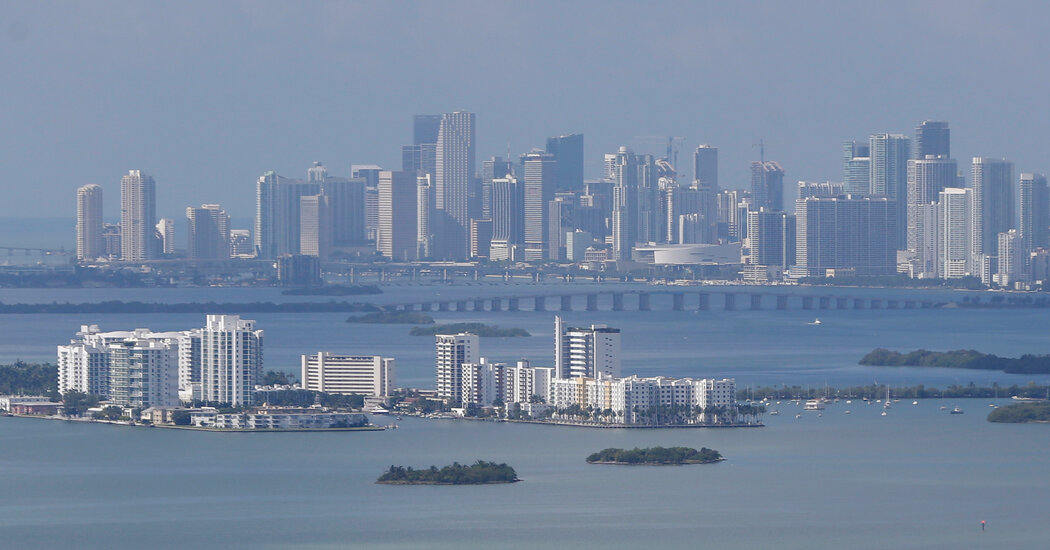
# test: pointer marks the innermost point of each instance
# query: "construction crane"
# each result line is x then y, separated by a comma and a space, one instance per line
672, 143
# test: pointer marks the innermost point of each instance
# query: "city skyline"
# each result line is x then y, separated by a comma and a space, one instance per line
243, 121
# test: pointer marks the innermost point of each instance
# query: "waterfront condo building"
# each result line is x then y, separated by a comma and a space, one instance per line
138, 216
231, 359
592, 352
451, 352
89, 222
369, 375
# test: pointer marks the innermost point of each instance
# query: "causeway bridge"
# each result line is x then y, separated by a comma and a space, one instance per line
642, 300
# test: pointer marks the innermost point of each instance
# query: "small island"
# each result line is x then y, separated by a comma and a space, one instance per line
332, 290
958, 359
393, 318
1021, 413
481, 329
479, 473
661, 456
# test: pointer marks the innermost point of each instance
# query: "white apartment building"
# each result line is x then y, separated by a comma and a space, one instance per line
273, 420
630, 396
483, 383
231, 359
137, 368
451, 352
524, 381
592, 352
369, 375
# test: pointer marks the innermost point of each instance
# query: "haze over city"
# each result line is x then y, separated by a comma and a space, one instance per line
208, 96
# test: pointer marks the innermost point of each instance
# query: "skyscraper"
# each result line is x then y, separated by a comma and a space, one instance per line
231, 360
455, 170
889, 176
451, 352
138, 216
315, 226
954, 233
398, 215
507, 220
424, 211
927, 177
624, 167
541, 172
567, 151
992, 203
767, 186
166, 235
208, 232
493, 168
277, 209
772, 237
1035, 211
932, 138
856, 167
846, 232
560, 216
89, 222
425, 129
592, 352
705, 166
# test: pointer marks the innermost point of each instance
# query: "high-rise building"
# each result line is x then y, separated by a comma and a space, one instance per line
567, 151
241, 243
316, 173
889, 176
493, 168
208, 232
846, 232
455, 171
398, 236
451, 352
856, 167
819, 189
138, 216
231, 360
625, 169
315, 226
1035, 211
424, 213
560, 219
954, 233
370, 375
683, 201
767, 186
927, 177
1011, 259
277, 210
166, 234
541, 172
932, 138
507, 220
992, 203
346, 205
705, 166
144, 371
651, 216
425, 129
592, 352
89, 222
772, 238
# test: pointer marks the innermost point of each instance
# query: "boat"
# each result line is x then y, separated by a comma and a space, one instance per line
956, 410
378, 409
943, 408
798, 416
847, 412
816, 322
914, 402
774, 412
886, 403
883, 413
814, 405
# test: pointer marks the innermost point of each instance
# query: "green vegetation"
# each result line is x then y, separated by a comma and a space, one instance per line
481, 329
656, 455
393, 318
333, 290
111, 412
276, 378
181, 418
878, 391
479, 473
1021, 413
29, 379
75, 403
959, 359
306, 398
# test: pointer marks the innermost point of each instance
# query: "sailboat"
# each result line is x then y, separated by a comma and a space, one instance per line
815, 322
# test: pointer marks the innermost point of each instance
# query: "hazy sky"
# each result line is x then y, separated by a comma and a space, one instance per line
206, 96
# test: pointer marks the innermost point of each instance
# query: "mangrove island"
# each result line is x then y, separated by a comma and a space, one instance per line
958, 359
1021, 413
479, 473
656, 456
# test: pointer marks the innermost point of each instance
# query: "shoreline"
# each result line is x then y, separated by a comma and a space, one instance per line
685, 463
369, 428
444, 483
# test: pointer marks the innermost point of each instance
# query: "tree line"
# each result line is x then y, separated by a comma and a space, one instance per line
455, 474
